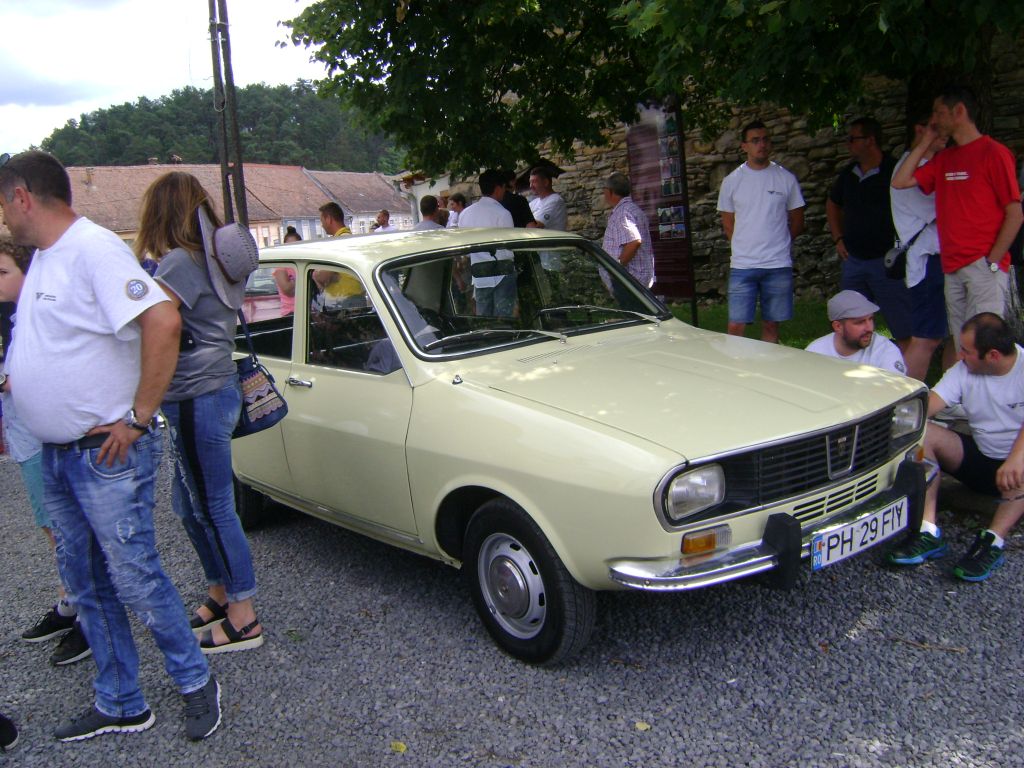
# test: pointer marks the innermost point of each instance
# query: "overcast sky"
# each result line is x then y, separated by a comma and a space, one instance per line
62, 58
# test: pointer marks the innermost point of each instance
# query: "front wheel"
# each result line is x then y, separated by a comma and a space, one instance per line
250, 505
525, 597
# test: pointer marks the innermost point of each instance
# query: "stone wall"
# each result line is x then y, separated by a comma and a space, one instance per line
815, 159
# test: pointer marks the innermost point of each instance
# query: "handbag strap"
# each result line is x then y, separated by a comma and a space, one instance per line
909, 242
248, 336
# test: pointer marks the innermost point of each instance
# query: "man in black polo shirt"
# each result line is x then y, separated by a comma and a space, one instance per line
516, 204
860, 219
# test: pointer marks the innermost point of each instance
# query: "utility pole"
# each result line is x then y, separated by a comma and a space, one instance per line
229, 144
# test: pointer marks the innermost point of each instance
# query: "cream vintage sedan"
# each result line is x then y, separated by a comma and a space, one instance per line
512, 403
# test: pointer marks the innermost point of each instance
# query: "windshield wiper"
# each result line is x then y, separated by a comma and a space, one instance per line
483, 333
595, 308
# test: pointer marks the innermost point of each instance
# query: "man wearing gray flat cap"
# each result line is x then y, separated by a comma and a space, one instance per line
853, 336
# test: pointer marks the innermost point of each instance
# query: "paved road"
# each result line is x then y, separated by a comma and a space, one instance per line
375, 658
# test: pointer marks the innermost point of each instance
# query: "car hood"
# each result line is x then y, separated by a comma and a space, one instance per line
694, 392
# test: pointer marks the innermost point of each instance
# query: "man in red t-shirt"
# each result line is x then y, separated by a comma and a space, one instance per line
977, 206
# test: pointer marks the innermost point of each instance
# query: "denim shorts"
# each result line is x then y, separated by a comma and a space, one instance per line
773, 286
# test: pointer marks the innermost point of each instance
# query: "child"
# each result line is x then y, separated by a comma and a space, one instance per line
27, 451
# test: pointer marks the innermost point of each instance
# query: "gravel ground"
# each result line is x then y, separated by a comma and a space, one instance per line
374, 657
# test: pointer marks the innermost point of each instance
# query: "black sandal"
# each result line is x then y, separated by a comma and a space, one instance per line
237, 641
217, 611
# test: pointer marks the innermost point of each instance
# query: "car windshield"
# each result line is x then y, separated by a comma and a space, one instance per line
476, 298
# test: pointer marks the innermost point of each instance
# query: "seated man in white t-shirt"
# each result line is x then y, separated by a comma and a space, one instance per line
853, 335
989, 383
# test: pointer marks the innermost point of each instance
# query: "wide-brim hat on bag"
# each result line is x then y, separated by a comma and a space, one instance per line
231, 256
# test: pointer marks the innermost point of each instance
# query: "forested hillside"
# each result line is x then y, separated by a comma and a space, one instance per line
288, 125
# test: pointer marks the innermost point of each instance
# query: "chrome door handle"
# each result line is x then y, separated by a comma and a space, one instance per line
299, 382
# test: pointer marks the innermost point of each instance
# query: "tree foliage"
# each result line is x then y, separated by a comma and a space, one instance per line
471, 84
812, 56
464, 85
287, 125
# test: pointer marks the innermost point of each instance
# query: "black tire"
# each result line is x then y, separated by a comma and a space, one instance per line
526, 599
250, 506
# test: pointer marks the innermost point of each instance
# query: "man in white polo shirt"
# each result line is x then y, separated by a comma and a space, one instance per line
494, 278
547, 205
97, 346
853, 336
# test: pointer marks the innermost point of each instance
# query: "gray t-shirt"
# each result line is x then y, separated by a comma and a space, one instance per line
205, 365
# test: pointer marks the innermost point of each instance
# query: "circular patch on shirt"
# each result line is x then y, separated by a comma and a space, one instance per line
136, 289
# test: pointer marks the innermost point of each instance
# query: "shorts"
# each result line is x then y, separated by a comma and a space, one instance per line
32, 476
977, 471
972, 289
928, 303
773, 286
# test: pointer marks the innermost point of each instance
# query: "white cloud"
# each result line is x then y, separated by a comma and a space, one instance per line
75, 57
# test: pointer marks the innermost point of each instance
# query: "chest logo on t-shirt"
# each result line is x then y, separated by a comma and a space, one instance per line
957, 176
40, 296
136, 289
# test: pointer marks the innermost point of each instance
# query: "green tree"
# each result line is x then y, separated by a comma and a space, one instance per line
464, 85
813, 56
473, 84
279, 124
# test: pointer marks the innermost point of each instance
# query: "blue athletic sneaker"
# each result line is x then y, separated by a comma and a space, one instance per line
981, 559
916, 548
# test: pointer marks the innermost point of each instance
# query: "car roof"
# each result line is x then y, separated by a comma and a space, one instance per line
367, 251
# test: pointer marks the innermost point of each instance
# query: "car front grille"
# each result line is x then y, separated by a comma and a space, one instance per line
769, 475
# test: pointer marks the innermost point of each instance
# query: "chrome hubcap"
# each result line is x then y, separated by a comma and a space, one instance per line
512, 586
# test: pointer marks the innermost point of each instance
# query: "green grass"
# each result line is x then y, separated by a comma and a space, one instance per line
809, 322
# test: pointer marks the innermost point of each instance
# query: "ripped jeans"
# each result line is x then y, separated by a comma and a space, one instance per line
106, 553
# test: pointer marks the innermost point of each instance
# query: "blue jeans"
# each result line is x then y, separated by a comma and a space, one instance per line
773, 286
867, 277
106, 553
203, 494
499, 301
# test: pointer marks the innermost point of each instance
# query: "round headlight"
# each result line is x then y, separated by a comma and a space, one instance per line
907, 418
694, 491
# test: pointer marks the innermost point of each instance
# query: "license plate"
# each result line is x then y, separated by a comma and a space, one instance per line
831, 547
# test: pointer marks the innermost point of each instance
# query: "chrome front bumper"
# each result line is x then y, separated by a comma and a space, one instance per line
678, 573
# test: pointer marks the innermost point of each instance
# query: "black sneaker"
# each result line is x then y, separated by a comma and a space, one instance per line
95, 723
8, 734
981, 559
916, 548
202, 710
51, 625
71, 648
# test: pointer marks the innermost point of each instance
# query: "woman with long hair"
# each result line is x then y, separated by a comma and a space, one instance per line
202, 406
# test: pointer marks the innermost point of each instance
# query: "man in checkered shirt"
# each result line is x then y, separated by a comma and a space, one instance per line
627, 236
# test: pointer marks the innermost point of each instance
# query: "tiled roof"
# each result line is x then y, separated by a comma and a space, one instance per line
360, 192
112, 195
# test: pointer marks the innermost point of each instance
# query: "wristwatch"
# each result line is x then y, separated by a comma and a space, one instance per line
993, 266
132, 421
